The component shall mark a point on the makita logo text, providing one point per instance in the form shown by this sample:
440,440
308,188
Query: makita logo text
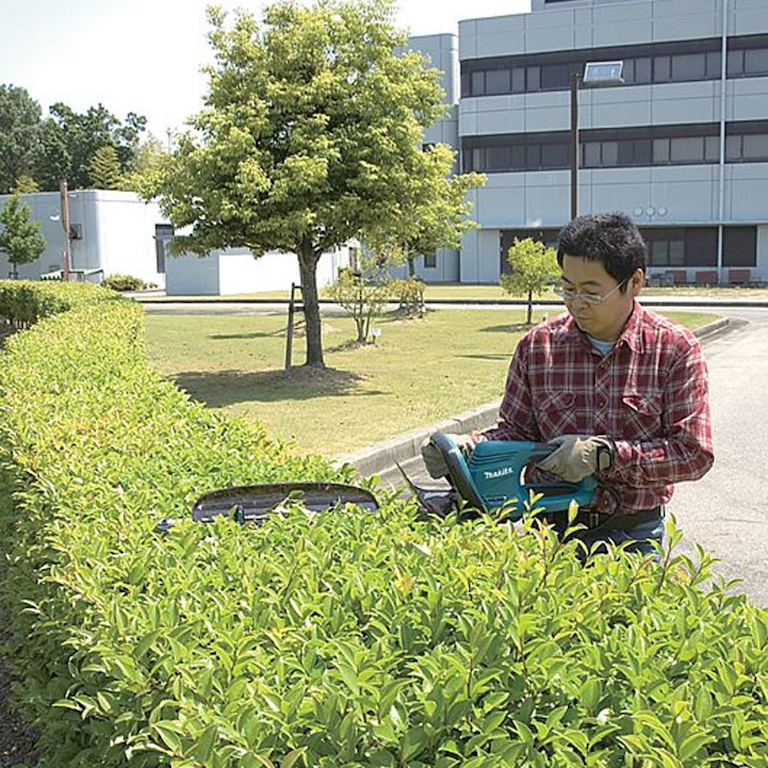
498,473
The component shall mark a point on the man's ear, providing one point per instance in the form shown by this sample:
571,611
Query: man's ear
637,282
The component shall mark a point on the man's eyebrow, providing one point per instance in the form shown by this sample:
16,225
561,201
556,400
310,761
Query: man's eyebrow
596,283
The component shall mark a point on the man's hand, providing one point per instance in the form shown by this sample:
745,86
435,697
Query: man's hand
578,456
433,457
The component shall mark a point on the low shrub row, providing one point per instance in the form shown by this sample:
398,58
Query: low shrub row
24,302
337,639
95,449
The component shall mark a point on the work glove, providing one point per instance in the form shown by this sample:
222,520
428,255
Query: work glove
578,456
433,457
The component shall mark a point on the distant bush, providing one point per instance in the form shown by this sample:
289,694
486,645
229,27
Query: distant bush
323,640
409,293
123,283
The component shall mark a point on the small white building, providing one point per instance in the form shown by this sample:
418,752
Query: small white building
236,271
111,233
117,233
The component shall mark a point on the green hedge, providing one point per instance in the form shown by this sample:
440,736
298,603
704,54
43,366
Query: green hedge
24,302
340,639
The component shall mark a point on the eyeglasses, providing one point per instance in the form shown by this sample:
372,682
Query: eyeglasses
569,294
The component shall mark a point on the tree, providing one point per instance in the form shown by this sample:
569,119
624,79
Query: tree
25,185
534,267
19,135
310,136
20,239
70,141
104,169
362,293
438,219
149,156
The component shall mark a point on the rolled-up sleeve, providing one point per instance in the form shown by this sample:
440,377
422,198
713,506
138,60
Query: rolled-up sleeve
685,450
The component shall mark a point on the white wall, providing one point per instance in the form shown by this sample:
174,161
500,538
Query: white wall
125,234
118,231
235,271
191,275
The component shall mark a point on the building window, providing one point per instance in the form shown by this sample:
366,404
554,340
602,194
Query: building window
739,246
163,236
694,144
430,260
681,246
668,62
497,81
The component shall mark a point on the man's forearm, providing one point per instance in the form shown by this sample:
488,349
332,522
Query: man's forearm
654,463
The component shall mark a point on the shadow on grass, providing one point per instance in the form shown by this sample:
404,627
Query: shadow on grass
491,356
254,335
508,328
221,388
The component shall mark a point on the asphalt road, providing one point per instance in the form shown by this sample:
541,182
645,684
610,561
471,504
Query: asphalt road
727,510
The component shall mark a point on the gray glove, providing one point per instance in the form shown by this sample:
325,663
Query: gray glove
578,456
433,458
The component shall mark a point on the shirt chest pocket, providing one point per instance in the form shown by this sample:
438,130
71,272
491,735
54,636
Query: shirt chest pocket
642,416
556,414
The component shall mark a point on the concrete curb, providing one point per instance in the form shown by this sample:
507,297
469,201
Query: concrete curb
380,457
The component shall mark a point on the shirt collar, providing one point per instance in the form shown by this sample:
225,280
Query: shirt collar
631,335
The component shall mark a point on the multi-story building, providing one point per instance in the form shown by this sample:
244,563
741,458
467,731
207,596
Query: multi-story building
681,146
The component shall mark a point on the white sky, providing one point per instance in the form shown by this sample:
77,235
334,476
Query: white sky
144,55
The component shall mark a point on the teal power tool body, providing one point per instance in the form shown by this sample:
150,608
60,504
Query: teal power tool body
493,478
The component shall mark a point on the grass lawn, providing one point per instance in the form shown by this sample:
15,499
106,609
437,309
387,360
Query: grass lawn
418,372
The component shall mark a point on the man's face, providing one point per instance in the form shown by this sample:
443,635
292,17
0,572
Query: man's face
606,319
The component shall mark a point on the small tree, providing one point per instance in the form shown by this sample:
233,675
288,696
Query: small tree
104,168
410,296
20,239
25,185
534,267
362,294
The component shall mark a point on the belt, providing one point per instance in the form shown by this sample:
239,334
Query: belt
607,522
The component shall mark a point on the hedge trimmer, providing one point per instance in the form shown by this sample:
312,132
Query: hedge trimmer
492,479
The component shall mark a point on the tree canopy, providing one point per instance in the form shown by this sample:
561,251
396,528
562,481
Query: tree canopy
19,135
310,136
37,153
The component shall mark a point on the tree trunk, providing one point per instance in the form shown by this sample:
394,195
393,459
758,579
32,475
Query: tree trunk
530,307
411,266
308,259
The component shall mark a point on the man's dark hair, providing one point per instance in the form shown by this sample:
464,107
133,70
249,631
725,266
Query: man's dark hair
610,238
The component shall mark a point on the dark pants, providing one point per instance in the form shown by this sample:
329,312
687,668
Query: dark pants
648,527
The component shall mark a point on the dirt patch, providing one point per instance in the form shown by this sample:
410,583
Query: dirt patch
17,739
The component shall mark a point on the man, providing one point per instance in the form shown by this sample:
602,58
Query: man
619,391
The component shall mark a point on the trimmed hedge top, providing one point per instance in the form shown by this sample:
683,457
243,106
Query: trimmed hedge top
338,639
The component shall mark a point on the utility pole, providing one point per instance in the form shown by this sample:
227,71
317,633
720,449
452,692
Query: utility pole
65,224
575,85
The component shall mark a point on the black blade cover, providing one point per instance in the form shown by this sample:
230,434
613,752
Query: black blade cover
253,503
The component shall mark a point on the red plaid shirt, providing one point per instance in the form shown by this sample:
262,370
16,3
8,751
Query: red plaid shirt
649,394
